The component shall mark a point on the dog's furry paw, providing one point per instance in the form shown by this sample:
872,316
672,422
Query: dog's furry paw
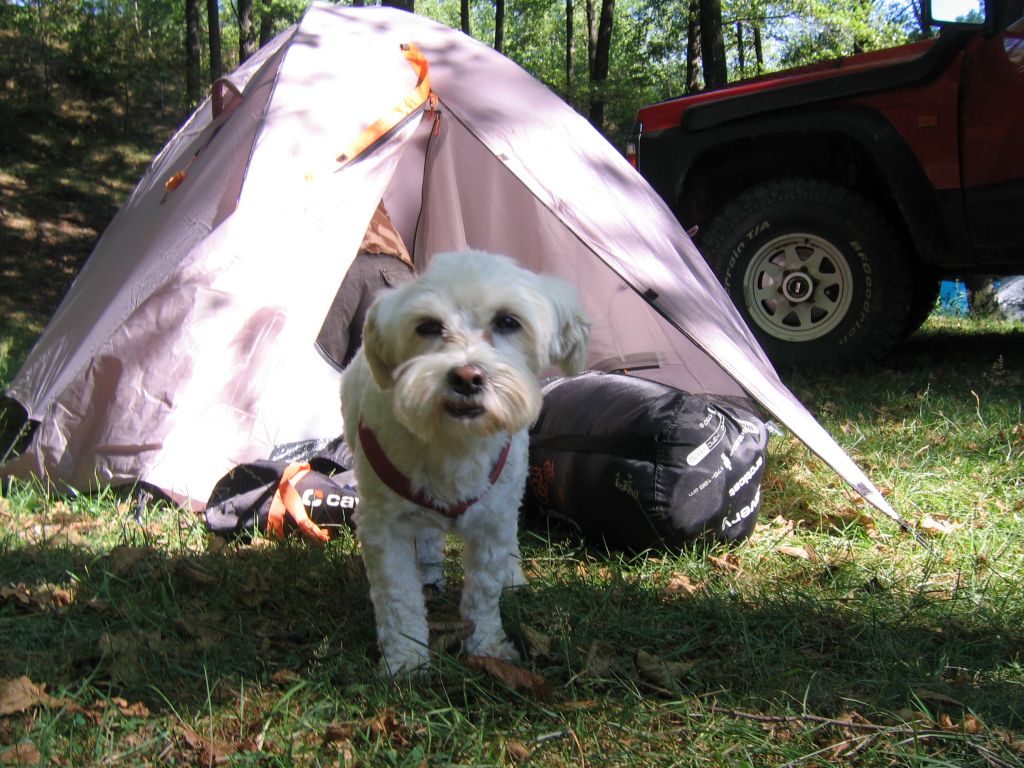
495,648
413,663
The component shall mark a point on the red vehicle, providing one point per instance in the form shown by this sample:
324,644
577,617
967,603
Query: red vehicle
832,199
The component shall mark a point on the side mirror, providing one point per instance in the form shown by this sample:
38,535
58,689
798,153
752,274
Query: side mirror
958,13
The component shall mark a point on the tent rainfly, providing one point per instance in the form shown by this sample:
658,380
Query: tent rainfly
186,344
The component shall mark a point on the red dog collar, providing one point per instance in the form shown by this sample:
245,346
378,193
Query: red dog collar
393,478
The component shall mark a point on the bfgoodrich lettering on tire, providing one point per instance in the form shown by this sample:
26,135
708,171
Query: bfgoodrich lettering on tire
815,269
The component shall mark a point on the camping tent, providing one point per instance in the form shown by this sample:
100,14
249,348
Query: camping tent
185,345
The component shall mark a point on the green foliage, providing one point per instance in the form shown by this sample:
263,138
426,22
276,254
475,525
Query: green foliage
134,52
648,61
99,48
823,30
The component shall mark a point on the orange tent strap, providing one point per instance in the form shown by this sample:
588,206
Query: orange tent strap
419,95
175,181
287,501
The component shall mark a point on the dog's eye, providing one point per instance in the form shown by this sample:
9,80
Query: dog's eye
430,328
507,323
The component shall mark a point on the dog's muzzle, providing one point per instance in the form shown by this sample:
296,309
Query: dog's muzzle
465,384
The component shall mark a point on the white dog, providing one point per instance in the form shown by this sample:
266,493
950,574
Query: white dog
436,408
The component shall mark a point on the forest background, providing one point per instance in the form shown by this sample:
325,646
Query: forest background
142,58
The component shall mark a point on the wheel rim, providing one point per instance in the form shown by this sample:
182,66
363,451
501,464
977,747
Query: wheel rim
798,287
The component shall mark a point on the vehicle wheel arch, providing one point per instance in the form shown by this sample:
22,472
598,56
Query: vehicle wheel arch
854,146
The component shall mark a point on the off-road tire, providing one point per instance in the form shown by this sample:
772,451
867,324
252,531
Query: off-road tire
815,270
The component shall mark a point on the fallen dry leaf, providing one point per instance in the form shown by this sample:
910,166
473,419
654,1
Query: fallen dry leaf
801,553
728,563
19,693
50,596
383,724
538,644
515,677
40,597
121,653
665,674
680,582
914,717
102,607
17,594
973,725
935,526
124,559
343,750
285,677
600,660
196,573
854,717
211,751
61,534
338,732
21,754
517,750
138,709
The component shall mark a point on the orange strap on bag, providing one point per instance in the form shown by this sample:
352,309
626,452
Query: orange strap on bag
416,99
288,501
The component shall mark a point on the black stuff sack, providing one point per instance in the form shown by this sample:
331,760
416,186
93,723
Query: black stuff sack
313,495
636,464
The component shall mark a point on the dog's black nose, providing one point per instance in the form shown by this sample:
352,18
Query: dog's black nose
467,380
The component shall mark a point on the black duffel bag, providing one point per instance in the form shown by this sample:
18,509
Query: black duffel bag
636,464
305,488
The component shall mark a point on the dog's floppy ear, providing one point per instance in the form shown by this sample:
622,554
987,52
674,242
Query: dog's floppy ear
376,347
572,332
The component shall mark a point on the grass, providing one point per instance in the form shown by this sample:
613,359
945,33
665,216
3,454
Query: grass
828,638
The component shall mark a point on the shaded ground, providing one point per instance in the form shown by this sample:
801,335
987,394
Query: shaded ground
65,168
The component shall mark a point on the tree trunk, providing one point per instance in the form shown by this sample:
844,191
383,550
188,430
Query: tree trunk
758,49
216,58
405,5
570,50
266,22
499,26
712,44
591,35
917,7
193,53
464,17
739,47
246,33
602,60
693,80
